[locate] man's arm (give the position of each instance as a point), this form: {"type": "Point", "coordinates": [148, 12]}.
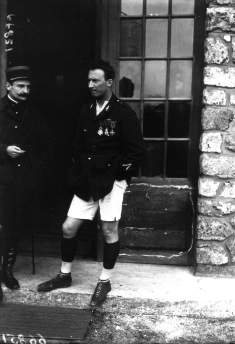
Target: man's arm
{"type": "Point", "coordinates": [134, 148]}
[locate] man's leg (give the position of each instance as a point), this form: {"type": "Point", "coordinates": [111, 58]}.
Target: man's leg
{"type": "Point", "coordinates": [68, 250]}
{"type": "Point", "coordinates": [10, 250]}
{"type": "Point", "coordinates": [110, 213]}
{"type": "Point", "coordinates": [110, 255]}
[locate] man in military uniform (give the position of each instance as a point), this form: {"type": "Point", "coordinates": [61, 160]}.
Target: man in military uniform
{"type": "Point", "coordinates": [108, 149]}
{"type": "Point", "coordinates": [26, 148]}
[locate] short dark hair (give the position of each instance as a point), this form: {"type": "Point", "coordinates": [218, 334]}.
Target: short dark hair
{"type": "Point", "coordinates": [109, 72]}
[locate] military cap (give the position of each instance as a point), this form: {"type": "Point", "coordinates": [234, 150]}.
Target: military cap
{"type": "Point", "coordinates": [18, 72]}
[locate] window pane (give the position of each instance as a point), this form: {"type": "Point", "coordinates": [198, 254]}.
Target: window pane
{"type": "Point", "coordinates": [183, 6]}
{"type": "Point", "coordinates": [179, 119]}
{"type": "Point", "coordinates": [157, 7]}
{"type": "Point", "coordinates": [130, 79]}
{"type": "Point", "coordinates": [155, 79]}
{"type": "Point", "coordinates": [152, 164]}
{"type": "Point", "coordinates": [131, 7]}
{"type": "Point", "coordinates": [180, 79]}
{"type": "Point", "coordinates": [177, 159]}
{"type": "Point", "coordinates": [153, 123]}
{"type": "Point", "coordinates": [182, 37]}
{"type": "Point", "coordinates": [131, 37]}
{"type": "Point", "coordinates": [156, 37]}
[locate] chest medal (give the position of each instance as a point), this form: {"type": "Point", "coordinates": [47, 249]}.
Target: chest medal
{"type": "Point", "coordinates": [106, 127]}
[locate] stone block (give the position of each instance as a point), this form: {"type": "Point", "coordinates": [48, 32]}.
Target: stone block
{"type": "Point", "coordinates": [233, 49]}
{"type": "Point", "coordinates": [211, 142]}
{"type": "Point", "coordinates": [230, 142]}
{"type": "Point", "coordinates": [230, 243]}
{"type": "Point", "coordinates": [215, 207]}
{"type": "Point", "coordinates": [223, 2]}
{"type": "Point", "coordinates": [216, 51]}
{"type": "Point", "coordinates": [207, 187]}
{"type": "Point", "coordinates": [222, 166]}
{"type": "Point", "coordinates": [220, 18]}
{"type": "Point", "coordinates": [211, 254]}
{"type": "Point", "coordinates": [215, 271]}
{"type": "Point", "coordinates": [232, 99]}
{"type": "Point", "coordinates": [232, 221]}
{"type": "Point", "coordinates": [217, 118]}
{"type": "Point", "coordinates": [214, 97]}
{"type": "Point", "coordinates": [228, 190]}
{"type": "Point", "coordinates": [221, 77]}
{"type": "Point", "coordinates": [213, 229]}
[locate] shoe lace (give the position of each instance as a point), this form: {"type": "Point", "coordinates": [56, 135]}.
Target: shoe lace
{"type": "Point", "coordinates": [98, 289]}
{"type": "Point", "coordinates": [57, 277]}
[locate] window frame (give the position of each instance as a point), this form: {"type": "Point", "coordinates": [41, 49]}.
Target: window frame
{"type": "Point", "coordinates": [197, 86]}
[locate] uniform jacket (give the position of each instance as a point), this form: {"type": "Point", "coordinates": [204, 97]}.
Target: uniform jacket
{"type": "Point", "coordinates": [19, 177]}
{"type": "Point", "coordinates": [103, 144]}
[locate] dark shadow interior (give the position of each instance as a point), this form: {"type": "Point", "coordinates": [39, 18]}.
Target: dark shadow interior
{"type": "Point", "coordinates": [56, 38]}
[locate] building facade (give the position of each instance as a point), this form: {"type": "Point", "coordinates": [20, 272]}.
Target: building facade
{"type": "Point", "coordinates": [174, 62]}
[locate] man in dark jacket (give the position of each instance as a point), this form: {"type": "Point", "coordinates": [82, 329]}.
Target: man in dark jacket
{"type": "Point", "coordinates": [108, 149]}
{"type": "Point", "coordinates": [26, 147]}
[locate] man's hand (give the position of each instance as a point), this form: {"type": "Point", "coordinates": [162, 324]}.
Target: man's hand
{"type": "Point", "coordinates": [14, 151]}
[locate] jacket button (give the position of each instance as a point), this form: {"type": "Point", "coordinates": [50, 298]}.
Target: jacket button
{"type": "Point", "coordinates": [89, 158]}
{"type": "Point", "coordinates": [16, 127]}
{"type": "Point", "coordinates": [19, 165]}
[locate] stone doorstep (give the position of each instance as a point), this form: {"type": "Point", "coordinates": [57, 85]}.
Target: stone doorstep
{"type": "Point", "coordinates": [136, 289]}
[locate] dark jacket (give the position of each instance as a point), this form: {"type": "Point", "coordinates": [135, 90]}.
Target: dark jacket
{"type": "Point", "coordinates": [20, 177]}
{"type": "Point", "coordinates": [103, 144]}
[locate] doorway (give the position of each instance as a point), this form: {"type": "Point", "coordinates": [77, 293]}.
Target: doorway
{"type": "Point", "coordinates": [56, 38]}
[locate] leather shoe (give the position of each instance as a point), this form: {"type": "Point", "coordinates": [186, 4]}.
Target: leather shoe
{"type": "Point", "coordinates": [100, 293]}
{"type": "Point", "coordinates": [9, 280]}
{"type": "Point", "coordinates": [60, 281]}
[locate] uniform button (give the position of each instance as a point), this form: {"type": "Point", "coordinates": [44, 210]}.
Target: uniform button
{"type": "Point", "coordinates": [16, 127]}
{"type": "Point", "coordinates": [89, 158]}
{"type": "Point", "coordinates": [17, 113]}
{"type": "Point", "coordinates": [18, 164]}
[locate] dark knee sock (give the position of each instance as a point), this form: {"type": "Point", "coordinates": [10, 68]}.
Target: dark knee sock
{"type": "Point", "coordinates": [68, 249]}
{"type": "Point", "coordinates": [111, 252]}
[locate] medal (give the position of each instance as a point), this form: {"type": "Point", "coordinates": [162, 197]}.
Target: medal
{"type": "Point", "coordinates": [106, 132]}
{"type": "Point", "coordinates": [112, 124]}
{"type": "Point", "coordinates": [100, 131]}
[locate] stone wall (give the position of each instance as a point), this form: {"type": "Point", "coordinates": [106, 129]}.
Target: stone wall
{"type": "Point", "coordinates": [216, 202]}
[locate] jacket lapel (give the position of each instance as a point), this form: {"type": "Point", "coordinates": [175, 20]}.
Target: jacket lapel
{"type": "Point", "coordinates": [105, 111]}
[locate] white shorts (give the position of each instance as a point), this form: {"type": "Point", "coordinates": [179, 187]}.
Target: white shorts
{"type": "Point", "coordinates": [110, 205]}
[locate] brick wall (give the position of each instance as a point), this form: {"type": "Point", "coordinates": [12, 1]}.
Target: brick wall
{"type": "Point", "coordinates": [216, 202]}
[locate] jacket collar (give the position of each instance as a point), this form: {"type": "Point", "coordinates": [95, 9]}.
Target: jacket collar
{"type": "Point", "coordinates": [4, 106]}
{"type": "Point", "coordinates": [103, 113]}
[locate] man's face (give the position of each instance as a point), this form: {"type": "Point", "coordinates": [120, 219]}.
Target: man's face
{"type": "Point", "coordinates": [19, 89]}
{"type": "Point", "coordinates": [99, 87]}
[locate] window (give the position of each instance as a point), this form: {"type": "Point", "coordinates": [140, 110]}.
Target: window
{"type": "Point", "coordinates": [156, 66]}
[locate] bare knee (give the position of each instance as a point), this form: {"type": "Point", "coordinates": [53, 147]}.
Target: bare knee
{"type": "Point", "coordinates": [70, 227]}
{"type": "Point", "coordinates": [110, 230]}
